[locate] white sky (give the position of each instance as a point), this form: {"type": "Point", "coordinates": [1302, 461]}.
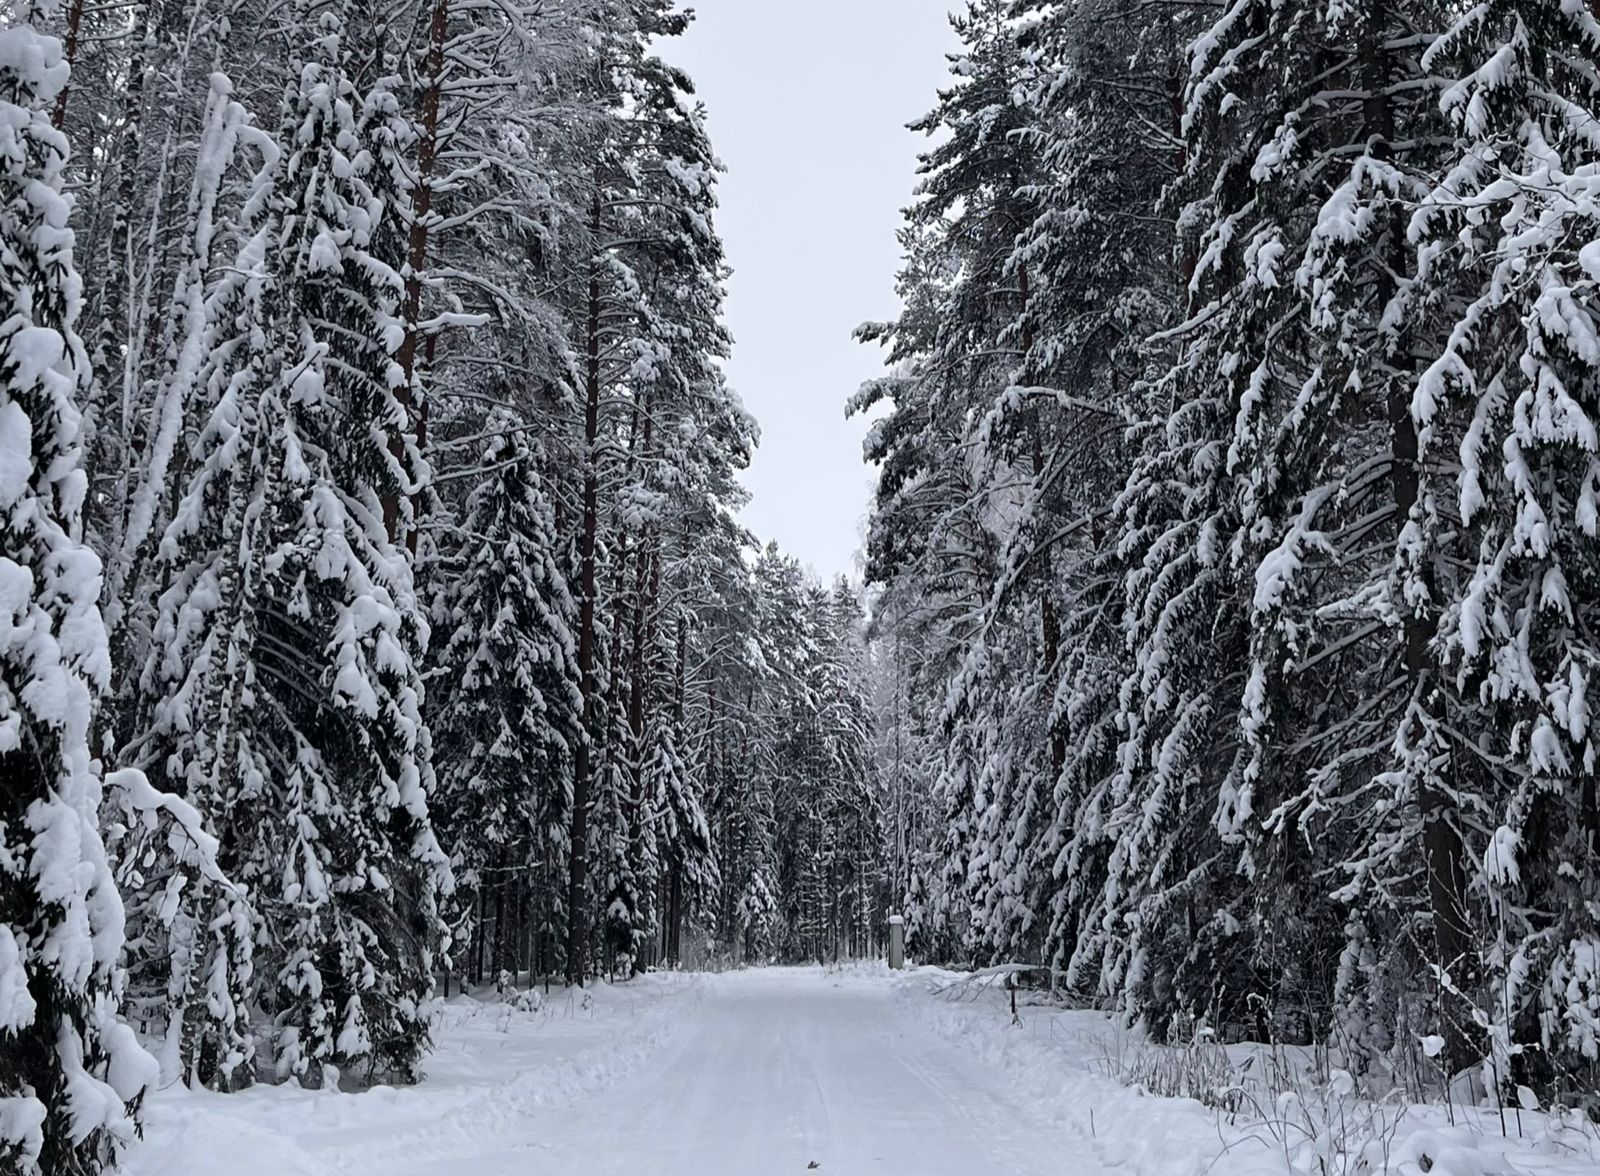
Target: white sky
{"type": "Point", "coordinates": [808, 106]}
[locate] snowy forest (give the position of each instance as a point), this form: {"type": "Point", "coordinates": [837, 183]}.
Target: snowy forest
{"type": "Point", "coordinates": [1237, 526]}
{"type": "Point", "coordinates": [377, 618]}
{"type": "Point", "coordinates": [375, 608]}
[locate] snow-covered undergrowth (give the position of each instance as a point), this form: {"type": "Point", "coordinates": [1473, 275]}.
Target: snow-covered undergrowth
{"type": "Point", "coordinates": [492, 1066]}
{"type": "Point", "coordinates": [1257, 1117]}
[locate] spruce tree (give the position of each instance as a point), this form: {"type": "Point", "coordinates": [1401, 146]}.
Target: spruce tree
{"type": "Point", "coordinates": [71, 1074]}
{"type": "Point", "coordinates": [508, 707]}
{"type": "Point", "coordinates": [287, 646]}
{"type": "Point", "coordinates": [1507, 258]}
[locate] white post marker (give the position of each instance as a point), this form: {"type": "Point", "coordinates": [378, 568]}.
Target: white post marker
{"type": "Point", "coordinates": [897, 942]}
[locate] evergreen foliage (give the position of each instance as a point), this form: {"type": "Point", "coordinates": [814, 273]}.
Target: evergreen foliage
{"type": "Point", "coordinates": [1261, 701]}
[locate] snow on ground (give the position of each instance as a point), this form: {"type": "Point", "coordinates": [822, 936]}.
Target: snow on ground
{"type": "Point", "coordinates": [761, 1073]}
{"type": "Point", "coordinates": [787, 1069]}
{"type": "Point", "coordinates": [1062, 1060]}
{"type": "Point", "coordinates": [497, 1079]}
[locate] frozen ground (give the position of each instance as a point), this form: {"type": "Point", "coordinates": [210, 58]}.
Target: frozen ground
{"type": "Point", "coordinates": [498, 1082]}
{"type": "Point", "coordinates": [763, 1073]}
{"type": "Point", "coordinates": [1061, 1060]}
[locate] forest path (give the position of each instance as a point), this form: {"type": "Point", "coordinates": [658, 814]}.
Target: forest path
{"type": "Point", "coordinates": [783, 1069]}
{"type": "Point", "coordinates": [757, 1073]}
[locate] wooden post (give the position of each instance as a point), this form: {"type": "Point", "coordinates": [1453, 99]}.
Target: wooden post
{"type": "Point", "coordinates": [897, 942]}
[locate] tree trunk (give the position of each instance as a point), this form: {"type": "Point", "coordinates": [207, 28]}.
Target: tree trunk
{"type": "Point", "coordinates": [1049, 624]}
{"type": "Point", "coordinates": [1441, 847]}
{"type": "Point", "coordinates": [578, 874]}
{"type": "Point", "coordinates": [498, 955]}
{"type": "Point", "coordinates": [113, 356]}
{"type": "Point", "coordinates": [69, 53]}
{"type": "Point", "coordinates": [675, 916]}
{"type": "Point", "coordinates": [409, 393]}
{"type": "Point", "coordinates": [477, 947]}
{"type": "Point", "coordinates": [647, 584]}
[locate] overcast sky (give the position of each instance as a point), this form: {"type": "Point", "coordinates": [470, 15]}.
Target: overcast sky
{"type": "Point", "coordinates": [808, 108]}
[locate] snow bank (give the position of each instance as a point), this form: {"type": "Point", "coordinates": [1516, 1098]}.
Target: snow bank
{"type": "Point", "coordinates": [492, 1067]}
{"type": "Point", "coordinates": [1061, 1062]}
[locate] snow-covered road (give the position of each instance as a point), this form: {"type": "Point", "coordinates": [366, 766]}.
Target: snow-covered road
{"type": "Point", "coordinates": [783, 1070]}
{"type": "Point", "coordinates": [758, 1073]}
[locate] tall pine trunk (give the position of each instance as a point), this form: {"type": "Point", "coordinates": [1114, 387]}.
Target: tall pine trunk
{"type": "Point", "coordinates": [75, 8]}
{"type": "Point", "coordinates": [409, 394]}
{"type": "Point", "coordinates": [578, 871]}
{"type": "Point", "coordinates": [1441, 848]}
{"type": "Point", "coordinates": [114, 360]}
{"type": "Point", "coordinates": [1049, 623]}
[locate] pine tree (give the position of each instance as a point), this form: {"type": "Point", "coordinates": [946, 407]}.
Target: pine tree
{"type": "Point", "coordinates": [1293, 464]}
{"type": "Point", "coordinates": [226, 126]}
{"type": "Point", "coordinates": [508, 706]}
{"type": "Point", "coordinates": [287, 645]}
{"type": "Point", "coordinates": [646, 304]}
{"type": "Point", "coordinates": [623, 891]}
{"type": "Point", "coordinates": [685, 834]}
{"type": "Point", "coordinates": [1505, 255]}
{"type": "Point", "coordinates": [950, 493]}
{"type": "Point", "coordinates": [71, 1074]}
{"type": "Point", "coordinates": [191, 953]}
